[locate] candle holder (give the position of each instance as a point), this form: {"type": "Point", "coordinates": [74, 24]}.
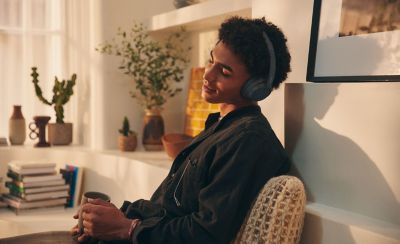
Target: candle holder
{"type": "Point", "coordinates": [38, 130]}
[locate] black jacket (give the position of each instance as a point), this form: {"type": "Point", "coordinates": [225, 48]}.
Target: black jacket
{"type": "Point", "coordinates": [212, 182]}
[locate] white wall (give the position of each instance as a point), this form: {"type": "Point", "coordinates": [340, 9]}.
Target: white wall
{"type": "Point", "coordinates": [109, 88]}
{"type": "Point", "coordinates": [294, 19]}
{"type": "Point", "coordinates": [343, 139]}
{"type": "Point", "coordinates": [344, 142]}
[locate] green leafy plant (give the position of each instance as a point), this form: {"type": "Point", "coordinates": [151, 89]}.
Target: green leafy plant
{"type": "Point", "coordinates": [125, 130]}
{"type": "Point", "coordinates": [153, 65]}
{"type": "Point", "coordinates": [62, 92]}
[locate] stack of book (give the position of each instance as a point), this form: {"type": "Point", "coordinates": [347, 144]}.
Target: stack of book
{"type": "Point", "coordinates": [34, 185]}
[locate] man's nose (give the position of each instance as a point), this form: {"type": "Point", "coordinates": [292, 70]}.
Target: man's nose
{"type": "Point", "coordinates": [210, 73]}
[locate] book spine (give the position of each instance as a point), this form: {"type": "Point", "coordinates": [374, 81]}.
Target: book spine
{"type": "Point", "coordinates": [74, 172]}
{"type": "Point", "coordinates": [14, 175]}
{"type": "Point", "coordinates": [32, 178]}
{"type": "Point", "coordinates": [78, 185]}
{"type": "Point", "coordinates": [40, 189]}
{"type": "Point", "coordinates": [68, 177]}
{"type": "Point", "coordinates": [12, 186]}
{"type": "Point", "coordinates": [17, 193]}
{"type": "Point", "coordinates": [45, 195]}
{"type": "Point", "coordinates": [29, 165]}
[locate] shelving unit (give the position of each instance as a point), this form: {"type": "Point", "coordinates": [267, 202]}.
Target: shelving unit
{"type": "Point", "coordinates": [201, 16]}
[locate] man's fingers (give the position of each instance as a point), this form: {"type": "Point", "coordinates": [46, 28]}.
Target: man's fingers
{"type": "Point", "coordinates": [88, 231]}
{"type": "Point", "coordinates": [82, 238]}
{"type": "Point", "coordinates": [87, 224]}
{"type": "Point", "coordinates": [74, 230]}
{"type": "Point", "coordinates": [87, 207]}
{"type": "Point", "coordinates": [96, 206]}
{"type": "Point", "coordinates": [98, 201]}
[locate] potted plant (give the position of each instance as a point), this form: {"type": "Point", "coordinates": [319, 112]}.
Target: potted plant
{"type": "Point", "coordinates": [155, 67]}
{"type": "Point", "coordinates": [59, 133]}
{"type": "Point", "coordinates": [127, 141]}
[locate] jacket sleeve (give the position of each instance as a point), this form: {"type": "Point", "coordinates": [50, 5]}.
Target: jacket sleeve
{"type": "Point", "coordinates": [239, 169]}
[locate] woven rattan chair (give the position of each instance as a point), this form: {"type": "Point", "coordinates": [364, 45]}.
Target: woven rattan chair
{"type": "Point", "coordinates": [277, 215]}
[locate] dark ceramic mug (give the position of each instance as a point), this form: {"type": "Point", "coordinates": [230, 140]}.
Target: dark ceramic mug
{"type": "Point", "coordinates": [90, 195]}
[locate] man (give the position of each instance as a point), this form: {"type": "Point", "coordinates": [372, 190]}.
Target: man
{"type": "Point", "coordinates": [212, 182]}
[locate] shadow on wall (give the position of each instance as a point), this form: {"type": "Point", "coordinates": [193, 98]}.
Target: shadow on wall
{"type": "Point", "coordinates": [102, 184]}
{"type": "Point", "coordinates": [353, 55]}
{"type": "Point", "coordinates": [313, 232]}
{"type": "Point", "coordinates": [335, 170]}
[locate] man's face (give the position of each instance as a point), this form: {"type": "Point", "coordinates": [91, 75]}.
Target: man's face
{"type": "Point", "coordinates": [224, 76]}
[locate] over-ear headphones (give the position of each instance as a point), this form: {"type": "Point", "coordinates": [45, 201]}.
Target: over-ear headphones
{"type": "Point", "coordinates": [258, 88]}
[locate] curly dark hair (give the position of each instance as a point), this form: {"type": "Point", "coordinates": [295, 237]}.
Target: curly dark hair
{"type": "Point", "coordinates": [244, 36]}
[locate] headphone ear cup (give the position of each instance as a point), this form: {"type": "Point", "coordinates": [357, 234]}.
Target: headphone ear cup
{"type": "Point", "coordinates": [255, 89]}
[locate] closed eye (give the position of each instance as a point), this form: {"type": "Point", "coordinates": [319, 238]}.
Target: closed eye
{"type": "Point", "coordinates": [225, 70]}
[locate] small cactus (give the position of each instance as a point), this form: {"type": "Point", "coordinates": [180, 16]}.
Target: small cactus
{"type": "Point", "coordinates": [62, 91]}
{"type": "Point", "coordinates": [125, 130]}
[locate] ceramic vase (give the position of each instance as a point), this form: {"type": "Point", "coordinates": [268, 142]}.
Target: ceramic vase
{"type": "Point", "coordinates": [153, 130]}
{"type": "Point", "coordinates": [17, 127]}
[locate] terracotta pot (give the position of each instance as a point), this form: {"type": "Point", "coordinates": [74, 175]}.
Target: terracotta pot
{"type": "Point", "coordinates": [174, 143]}
{"type": "Point", "coordinates": [17, 127]}
{"type": "Point", "coordinates": [60, 134]}
{"type": "Point", "coordinates": [153, 130]}
{"type": "Point", "coordinates": [127, 143]}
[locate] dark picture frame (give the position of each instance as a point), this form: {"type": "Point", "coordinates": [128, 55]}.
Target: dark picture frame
{"type": "Point", "coordinates": [337, 57]}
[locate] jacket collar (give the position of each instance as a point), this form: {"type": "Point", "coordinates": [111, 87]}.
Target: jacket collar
{"type": "Point", "coordinates": [215, 117]}
{"type": "Point", "coordinates": [213, 123]}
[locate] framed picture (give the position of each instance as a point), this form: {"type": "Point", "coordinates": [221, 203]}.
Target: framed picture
{"type": "Point", "coordinates": [354, 41]}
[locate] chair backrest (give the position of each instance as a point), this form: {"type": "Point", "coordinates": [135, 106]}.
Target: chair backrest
{"type": "Point", "coordinates": [277, 215]}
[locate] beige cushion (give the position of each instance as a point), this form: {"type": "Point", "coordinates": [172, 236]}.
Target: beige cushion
{"type": "Point", "coordinates": [277, 215]}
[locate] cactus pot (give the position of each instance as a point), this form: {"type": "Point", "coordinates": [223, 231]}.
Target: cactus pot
{"type": "Point", "coordinates": [60, 134]}
{"type": "Point", "coordinates": [127, 143]}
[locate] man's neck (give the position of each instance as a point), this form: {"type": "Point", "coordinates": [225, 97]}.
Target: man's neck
{"type": "Point", "coordinates": [225, 108]}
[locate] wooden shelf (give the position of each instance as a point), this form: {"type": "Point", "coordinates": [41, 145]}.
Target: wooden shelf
{"type": "Point", "coordinates": [201, 16]}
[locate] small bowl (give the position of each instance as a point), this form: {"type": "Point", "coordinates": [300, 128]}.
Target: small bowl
{"type": "Point", "coordinates": [174, 143]}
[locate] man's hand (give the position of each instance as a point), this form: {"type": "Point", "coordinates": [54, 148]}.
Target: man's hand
{"type": "Point", "coordinates": [102, 220]}
{"type": "Point", "coordinates": [76, 235]}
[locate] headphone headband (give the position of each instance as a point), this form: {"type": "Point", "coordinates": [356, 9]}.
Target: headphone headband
{"type": "Point", "coordinates": [272, 60]}
{"type": "Point", "coordinates": [258, 88]}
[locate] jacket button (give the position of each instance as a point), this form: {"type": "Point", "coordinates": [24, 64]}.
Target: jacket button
{"type": "Point", "coordinates": [193, 162]}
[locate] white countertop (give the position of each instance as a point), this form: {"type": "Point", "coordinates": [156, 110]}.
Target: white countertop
{"type": "Point", "coordinates": [156, 158]}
